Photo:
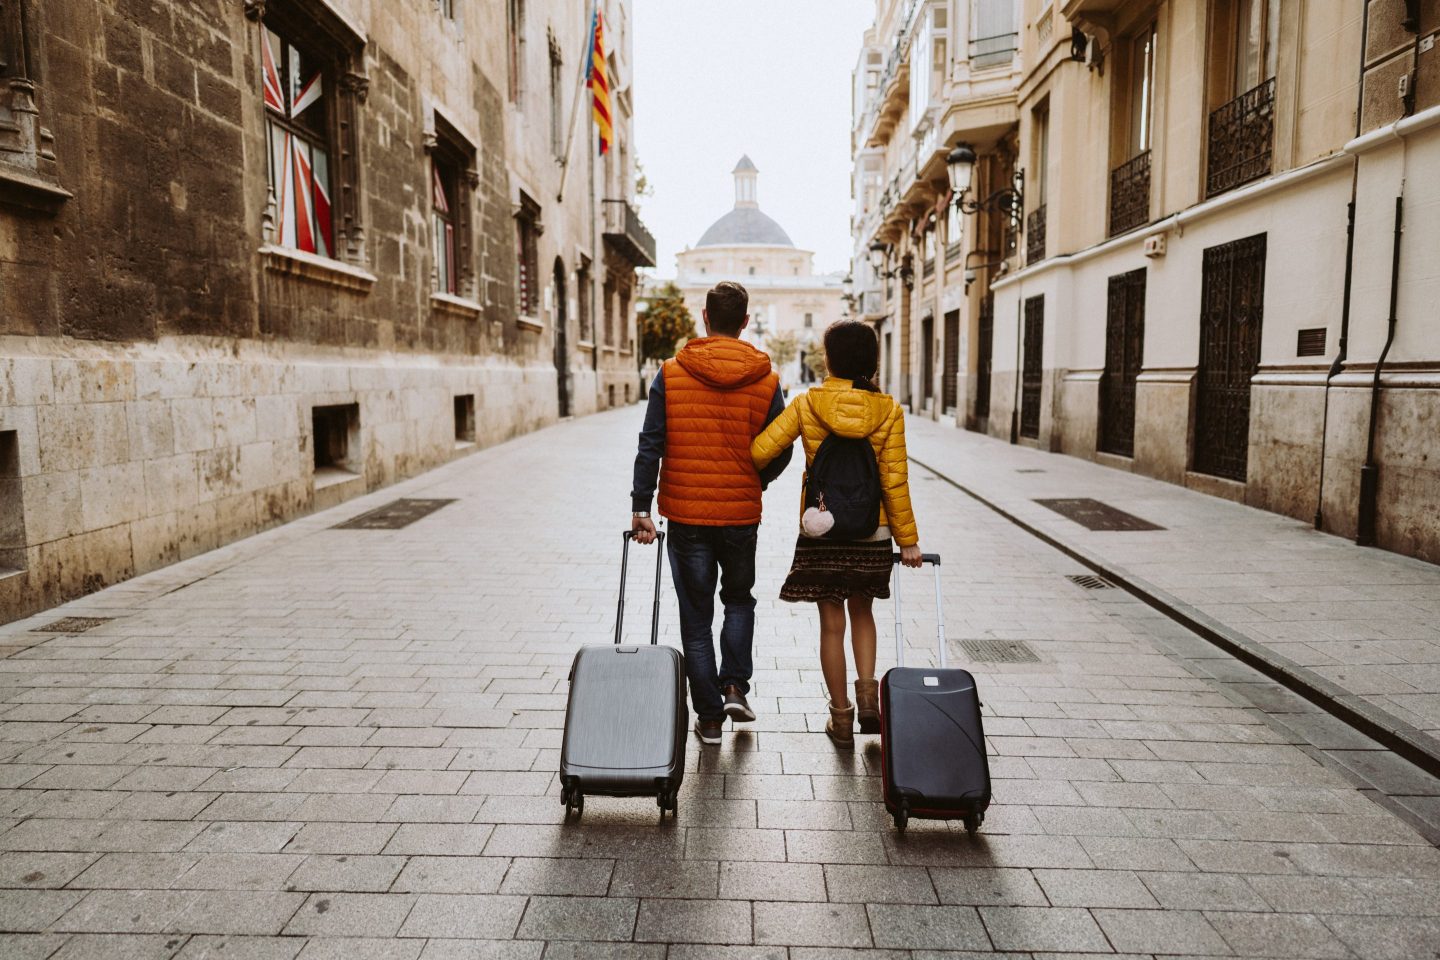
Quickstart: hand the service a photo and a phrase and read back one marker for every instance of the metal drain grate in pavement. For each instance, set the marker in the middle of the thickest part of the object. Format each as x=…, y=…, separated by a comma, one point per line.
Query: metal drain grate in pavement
x=1095, y=515
x=72, y=625
x=1089, y=581
x=999, y=651
x=393, y=516
x=1030, y=470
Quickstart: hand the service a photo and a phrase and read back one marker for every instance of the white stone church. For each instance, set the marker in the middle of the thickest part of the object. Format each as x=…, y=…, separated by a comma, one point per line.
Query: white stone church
x=786, y=295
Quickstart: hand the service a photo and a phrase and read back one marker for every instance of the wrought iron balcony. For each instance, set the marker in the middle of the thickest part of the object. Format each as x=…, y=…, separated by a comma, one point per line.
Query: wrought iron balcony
x=625, y=234
x=1035, y=235
x=1130, y=194
x=1242, y=133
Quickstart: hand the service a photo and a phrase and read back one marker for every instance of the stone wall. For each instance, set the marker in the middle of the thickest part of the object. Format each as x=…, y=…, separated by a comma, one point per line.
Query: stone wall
x=133, y=458
x=161, y=357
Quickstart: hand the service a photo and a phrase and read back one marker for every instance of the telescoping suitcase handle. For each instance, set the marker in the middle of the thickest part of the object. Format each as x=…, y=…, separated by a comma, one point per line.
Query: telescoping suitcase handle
x=934, y=560
x=624, y=565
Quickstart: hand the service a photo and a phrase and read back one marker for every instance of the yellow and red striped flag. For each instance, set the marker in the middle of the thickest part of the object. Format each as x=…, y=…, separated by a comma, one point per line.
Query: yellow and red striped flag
x=600, y=84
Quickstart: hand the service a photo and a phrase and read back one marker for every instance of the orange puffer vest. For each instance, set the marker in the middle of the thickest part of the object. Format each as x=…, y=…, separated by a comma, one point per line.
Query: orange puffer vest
x=718, y=392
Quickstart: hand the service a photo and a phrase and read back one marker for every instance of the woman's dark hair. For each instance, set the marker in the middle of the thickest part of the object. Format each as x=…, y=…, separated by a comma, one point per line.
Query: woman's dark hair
x=852, y=352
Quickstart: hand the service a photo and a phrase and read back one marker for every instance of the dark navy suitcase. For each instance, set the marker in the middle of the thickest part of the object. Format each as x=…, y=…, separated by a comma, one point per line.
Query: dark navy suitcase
x=626, y=720
x=932, y=742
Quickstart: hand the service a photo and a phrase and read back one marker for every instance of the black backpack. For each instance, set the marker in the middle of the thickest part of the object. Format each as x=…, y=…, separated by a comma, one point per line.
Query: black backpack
x=845, y=481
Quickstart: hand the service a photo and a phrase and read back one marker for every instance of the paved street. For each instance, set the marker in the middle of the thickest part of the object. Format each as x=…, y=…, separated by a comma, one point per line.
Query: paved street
x=342, y=744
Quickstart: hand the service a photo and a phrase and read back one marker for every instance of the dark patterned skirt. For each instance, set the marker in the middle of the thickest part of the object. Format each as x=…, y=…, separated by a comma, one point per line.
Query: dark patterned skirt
x=838, y=569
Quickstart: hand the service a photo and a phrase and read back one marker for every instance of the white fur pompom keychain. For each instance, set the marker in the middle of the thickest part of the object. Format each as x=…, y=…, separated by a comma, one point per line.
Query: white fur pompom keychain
x=816, y=522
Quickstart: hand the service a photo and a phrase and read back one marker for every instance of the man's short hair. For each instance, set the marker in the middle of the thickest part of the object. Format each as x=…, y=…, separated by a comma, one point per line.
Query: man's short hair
x=725, y=307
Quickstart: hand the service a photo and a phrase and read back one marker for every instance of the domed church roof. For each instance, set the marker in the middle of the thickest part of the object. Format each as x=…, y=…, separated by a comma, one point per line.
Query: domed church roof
x=745, y=223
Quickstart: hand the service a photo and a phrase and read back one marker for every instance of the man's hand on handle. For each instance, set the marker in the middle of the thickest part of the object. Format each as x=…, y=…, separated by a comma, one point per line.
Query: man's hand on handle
x=910, y=556
x=644, y=530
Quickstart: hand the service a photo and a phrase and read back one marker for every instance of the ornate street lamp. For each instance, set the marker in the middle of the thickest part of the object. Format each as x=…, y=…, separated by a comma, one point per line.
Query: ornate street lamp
x=880, y=256
x=961, y=165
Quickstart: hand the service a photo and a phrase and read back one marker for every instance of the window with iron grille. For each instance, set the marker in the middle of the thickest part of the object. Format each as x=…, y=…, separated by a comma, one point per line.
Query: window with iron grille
x=984, y=349
x=609, y=306
x=993, y=34
x=584, y=293
x=949, y=383
x=1232, y=295
x=1032, y=369
x=1243, y=62
x=1130, y=181
x=515, y=47
x=557, y=108
x=527, y=256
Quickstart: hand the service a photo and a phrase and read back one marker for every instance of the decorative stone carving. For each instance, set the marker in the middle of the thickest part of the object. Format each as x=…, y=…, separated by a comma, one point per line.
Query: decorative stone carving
x=254, y=9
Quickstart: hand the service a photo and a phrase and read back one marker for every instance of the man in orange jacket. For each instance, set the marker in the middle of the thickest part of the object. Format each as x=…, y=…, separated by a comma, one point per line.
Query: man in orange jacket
x=706, y=406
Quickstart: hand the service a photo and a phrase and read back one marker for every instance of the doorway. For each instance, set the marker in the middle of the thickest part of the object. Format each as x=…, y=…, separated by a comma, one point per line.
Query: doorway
x=562, y=355
x=1124, y=351
x=1232, y=294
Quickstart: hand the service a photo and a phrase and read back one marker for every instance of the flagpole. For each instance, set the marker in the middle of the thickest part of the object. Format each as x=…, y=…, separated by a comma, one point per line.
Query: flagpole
x=585, y=62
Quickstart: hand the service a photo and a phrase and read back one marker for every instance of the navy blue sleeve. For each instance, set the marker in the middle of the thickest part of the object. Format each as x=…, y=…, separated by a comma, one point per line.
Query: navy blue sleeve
x=777, y=466
x=651, y=449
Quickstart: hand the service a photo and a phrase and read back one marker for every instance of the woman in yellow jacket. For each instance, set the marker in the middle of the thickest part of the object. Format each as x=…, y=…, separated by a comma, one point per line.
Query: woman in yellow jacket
x=848, y=575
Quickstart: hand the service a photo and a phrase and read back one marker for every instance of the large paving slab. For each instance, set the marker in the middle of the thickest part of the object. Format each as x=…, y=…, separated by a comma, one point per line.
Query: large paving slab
x=343, y=743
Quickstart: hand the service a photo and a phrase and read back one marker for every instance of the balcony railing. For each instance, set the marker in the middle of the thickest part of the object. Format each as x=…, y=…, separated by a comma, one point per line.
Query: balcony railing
x=992, y=51
x=1241, y=137
x=626, y=234
x=1130, y=194
x=1035, y=235
x=928, y=269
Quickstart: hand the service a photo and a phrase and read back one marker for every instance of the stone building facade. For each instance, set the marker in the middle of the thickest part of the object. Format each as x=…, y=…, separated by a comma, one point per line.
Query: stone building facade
x=787, y=296
x=257, y=258
x=1222, y=201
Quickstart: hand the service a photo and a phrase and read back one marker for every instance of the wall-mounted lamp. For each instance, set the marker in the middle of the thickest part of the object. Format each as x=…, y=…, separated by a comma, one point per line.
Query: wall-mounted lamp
x=960, y=162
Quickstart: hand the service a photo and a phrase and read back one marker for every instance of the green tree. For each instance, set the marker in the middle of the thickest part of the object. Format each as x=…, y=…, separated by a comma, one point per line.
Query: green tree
x=665, y=323
x=815, y=360
x=782, y=347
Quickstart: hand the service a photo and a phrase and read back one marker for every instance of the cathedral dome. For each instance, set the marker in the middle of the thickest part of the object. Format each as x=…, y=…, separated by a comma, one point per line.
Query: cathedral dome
x=745, y=223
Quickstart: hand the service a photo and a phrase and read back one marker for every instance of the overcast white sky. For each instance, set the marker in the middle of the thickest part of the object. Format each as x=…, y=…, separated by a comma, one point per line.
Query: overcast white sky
x=771, y=78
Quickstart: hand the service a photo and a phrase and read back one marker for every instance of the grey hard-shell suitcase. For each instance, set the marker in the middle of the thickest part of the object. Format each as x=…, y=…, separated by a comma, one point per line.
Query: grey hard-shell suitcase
x=932, y=741
x=626, y=720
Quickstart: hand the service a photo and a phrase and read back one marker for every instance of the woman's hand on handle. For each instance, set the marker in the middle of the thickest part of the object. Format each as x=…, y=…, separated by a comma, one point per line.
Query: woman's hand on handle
x=910, y=556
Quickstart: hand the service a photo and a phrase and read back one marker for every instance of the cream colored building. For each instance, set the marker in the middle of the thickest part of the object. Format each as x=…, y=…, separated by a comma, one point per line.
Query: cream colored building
x=1184, y=298
x=786, y=295
x=932, y=74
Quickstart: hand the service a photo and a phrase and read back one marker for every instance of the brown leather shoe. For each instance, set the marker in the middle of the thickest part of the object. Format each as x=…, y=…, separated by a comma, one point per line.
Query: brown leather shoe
x=867, y=705
x=840, y=728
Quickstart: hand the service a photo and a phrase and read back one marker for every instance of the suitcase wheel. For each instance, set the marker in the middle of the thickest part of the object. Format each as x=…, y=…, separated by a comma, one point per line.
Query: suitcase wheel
x=668, y=799
x=972, y=823
x=902, y=819
x=573, y=800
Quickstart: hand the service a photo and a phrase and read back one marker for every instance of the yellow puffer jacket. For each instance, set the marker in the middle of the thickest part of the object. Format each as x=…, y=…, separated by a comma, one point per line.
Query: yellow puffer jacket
x=836, y=406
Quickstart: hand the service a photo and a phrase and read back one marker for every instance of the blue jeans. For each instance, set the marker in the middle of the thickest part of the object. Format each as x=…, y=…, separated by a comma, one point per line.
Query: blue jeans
x=698, y=557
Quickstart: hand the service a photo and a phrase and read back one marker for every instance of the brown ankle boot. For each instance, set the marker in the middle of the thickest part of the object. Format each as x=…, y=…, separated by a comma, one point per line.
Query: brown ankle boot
x=867, y=705
x=841, y=726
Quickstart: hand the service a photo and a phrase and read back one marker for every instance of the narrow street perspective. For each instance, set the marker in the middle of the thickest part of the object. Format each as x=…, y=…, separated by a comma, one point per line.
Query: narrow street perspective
x=339, y=739
x=679, y=480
